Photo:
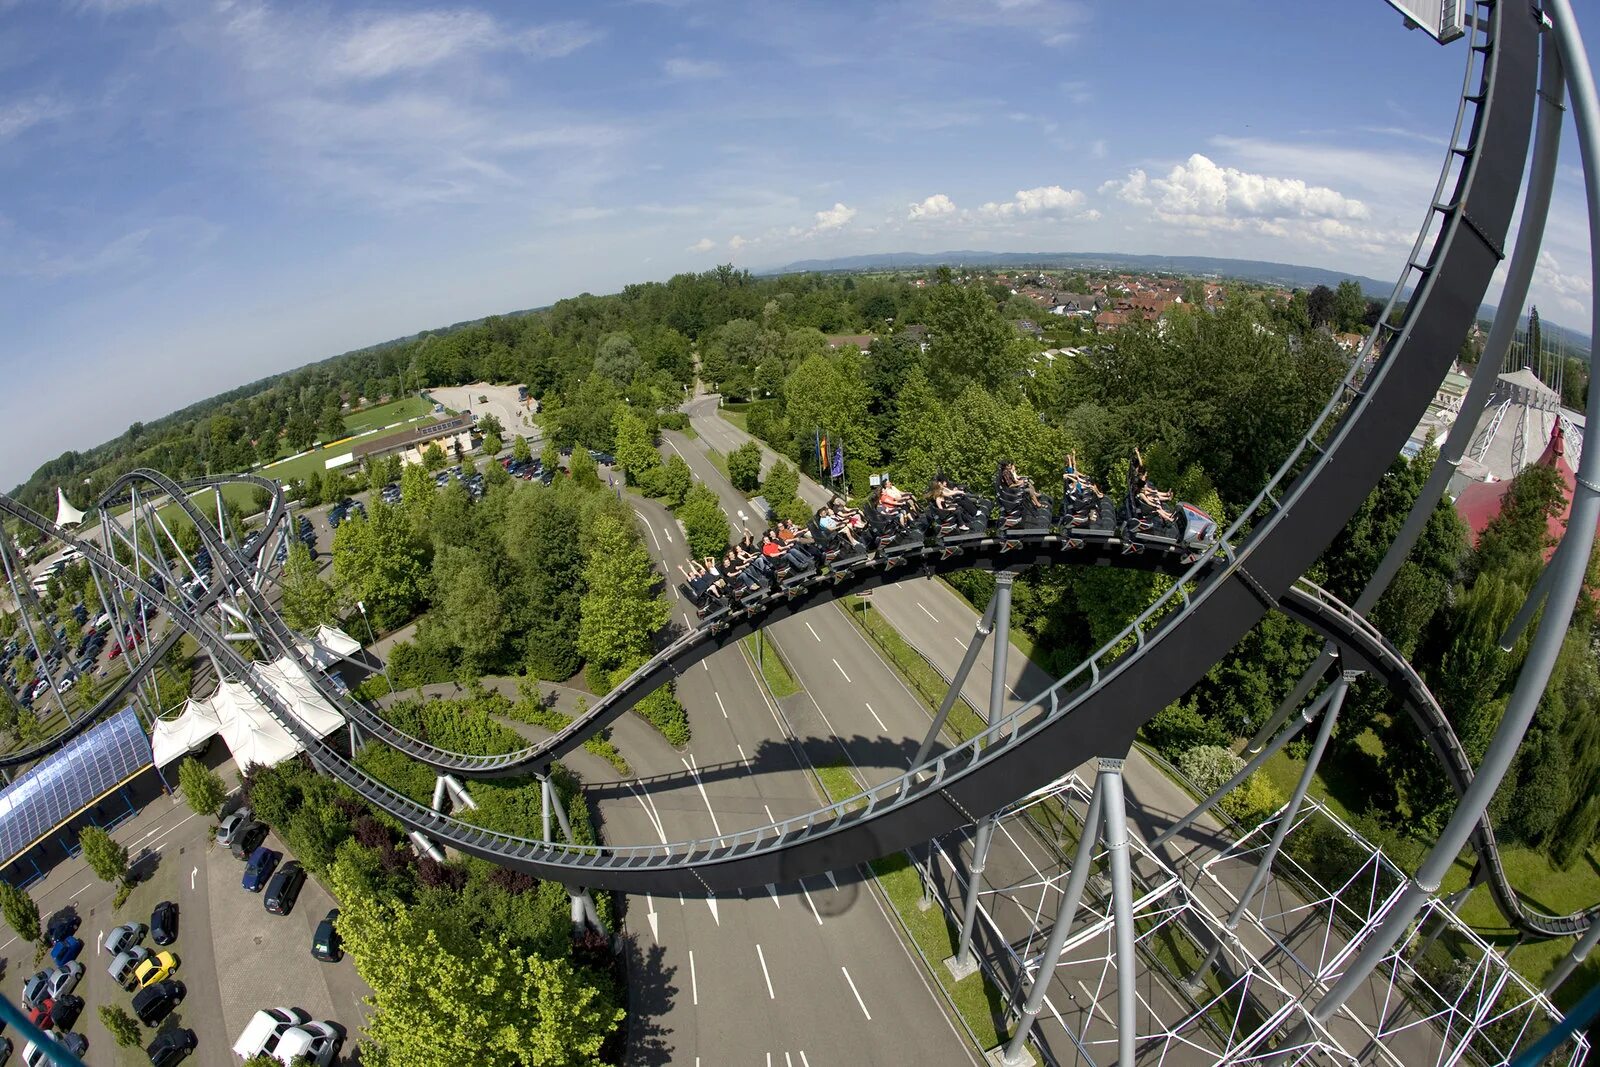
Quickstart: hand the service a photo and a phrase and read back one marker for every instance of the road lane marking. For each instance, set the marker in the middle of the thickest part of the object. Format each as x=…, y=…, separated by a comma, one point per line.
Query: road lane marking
x=762, y=956
x=720, y=704
x=857, y=992
x=876, y=719
x=1094, y=1006
x=813, y=633
x=803, y=1061
x=668, y=531
x=769, y=817
x=742, y=757
x=928, y=613
x=813, y=903
x=787, y=1062
x=695, y=771
x=841, y=669
x=653, y=536
x=655, y=932
x=196, y=871
x=773, y=890
x=832, y=879
x=649, y=813
x=711, y=902
x=99, y=942
x=694, y=986
x=82, y=891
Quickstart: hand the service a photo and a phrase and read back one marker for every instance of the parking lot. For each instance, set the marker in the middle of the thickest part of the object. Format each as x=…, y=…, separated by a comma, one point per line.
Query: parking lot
x=234, y=956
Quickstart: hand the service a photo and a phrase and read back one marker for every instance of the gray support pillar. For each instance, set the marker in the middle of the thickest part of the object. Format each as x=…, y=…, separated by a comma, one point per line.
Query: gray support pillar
x=1121, y=905
x=544, y=808
x=1571, y=960
x=23, y=602
x=1569, y=565
x=964, y=962
x=1002, y=645
x=979, y=632
x=1301, y=690
x=1304, y=720
x=1016, y=1053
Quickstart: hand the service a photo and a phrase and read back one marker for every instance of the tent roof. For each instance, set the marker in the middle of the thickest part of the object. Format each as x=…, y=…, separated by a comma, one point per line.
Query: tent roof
x=66, y=514
x=174, y=738
x=328, y=646
x=246, y=726
x=69, y=780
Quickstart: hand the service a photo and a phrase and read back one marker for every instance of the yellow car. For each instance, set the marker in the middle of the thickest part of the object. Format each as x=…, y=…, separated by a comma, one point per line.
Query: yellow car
x=157, y=968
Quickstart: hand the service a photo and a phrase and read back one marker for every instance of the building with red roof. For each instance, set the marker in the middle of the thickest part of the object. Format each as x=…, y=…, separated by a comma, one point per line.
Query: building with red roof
x=1480, y=502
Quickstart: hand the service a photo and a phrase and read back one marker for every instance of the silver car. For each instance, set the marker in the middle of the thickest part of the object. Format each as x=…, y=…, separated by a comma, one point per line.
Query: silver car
x=125, y=963
x=64, y=980
x=33, y=989
x=124, y=937
x=232, y=824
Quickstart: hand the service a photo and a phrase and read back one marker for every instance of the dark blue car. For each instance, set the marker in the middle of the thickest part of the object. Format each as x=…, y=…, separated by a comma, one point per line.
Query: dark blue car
x=66, y=950
x=263, y=861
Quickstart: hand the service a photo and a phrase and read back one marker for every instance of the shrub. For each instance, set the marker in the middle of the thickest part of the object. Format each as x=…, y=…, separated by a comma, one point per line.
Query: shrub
x=744, y=467
x=124, y=1028
x=1209, y=766
x=21, y=913
x=202, y=787
x=105, y=857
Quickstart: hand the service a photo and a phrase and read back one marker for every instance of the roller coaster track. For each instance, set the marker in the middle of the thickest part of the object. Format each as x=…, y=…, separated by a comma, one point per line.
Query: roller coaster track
x=1255, y=565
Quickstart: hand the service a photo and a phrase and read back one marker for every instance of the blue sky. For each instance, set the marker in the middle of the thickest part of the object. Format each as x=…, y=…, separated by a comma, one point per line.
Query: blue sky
x=196, y=194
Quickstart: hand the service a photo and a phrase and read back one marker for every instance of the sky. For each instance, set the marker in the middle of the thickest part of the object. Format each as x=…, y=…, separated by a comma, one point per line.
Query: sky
x=198, y=193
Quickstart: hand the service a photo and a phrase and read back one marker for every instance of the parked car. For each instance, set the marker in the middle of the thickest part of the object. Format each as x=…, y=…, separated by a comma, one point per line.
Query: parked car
x=43, y=1015
x=155, y=1002
x=62, y=925
x=5, y=1051
x=284, y=888
x=157, y=968
x=33, y=990
x=314, y=1041
x=66, y=950
x=263, y=861
x=247, y=839
x=171, y=1046
x=66, y=1010
x=164, y=923
x=325, y=940
x=123, y=937
x=231, y=824
x=125, y=963
x=64, y=980
x=266, y=1026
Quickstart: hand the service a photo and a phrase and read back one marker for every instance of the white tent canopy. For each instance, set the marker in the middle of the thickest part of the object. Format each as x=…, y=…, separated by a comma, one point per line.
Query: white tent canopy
x=328, y=646
x=173, y=738
x=246, y=726
x=66, y=514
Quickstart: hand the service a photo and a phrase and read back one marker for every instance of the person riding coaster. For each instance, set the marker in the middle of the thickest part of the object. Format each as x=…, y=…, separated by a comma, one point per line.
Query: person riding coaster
x=1023, y=509
x=954, y=511
x=1151, y=515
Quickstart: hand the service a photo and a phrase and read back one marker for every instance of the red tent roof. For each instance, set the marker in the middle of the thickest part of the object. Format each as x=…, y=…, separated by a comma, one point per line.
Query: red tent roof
x=1480, y=502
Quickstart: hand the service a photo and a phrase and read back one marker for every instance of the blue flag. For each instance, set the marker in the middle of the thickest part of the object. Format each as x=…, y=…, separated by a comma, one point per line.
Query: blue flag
x=837, y=470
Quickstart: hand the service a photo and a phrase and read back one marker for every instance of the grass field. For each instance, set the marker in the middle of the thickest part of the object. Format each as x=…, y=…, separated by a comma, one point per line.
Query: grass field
x=300, y=466
x=411, y=407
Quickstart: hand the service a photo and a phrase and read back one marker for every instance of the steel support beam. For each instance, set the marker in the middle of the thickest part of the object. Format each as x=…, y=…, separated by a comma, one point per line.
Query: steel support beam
x=982, y=630
x=964, y=962
x=1116, y=814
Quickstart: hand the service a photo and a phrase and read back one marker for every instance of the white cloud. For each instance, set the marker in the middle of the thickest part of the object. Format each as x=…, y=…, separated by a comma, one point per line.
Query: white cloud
x=736, y=242
x=1053, y=22
x=705, y=244
x=1199, y=188
x=19, y=115
x=1046, y=201
x=380, y=45
x=680, y=69
x=833, y=218
x=1572, y=291
x=934, y=206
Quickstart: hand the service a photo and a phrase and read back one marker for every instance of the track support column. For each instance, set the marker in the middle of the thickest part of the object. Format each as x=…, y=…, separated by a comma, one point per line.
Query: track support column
x=964, y=962
x=1016, y=1052
x=1571, y=960
x=1116, y=815
x=1002, y=644
x=583, y=909
x=982, y=630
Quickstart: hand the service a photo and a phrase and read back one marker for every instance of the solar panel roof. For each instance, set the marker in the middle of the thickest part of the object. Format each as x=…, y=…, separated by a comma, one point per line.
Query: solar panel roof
x=69, y=780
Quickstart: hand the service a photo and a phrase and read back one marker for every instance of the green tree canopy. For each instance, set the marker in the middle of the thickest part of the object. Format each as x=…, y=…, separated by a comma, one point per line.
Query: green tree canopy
x=105, y=857
x=307, y=601
x=621, y=611
x=201, y=786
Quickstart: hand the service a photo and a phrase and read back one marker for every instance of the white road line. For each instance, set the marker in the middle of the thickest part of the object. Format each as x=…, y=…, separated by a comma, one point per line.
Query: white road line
x=772, y=890
x=695, y=771
x=803, y=1061
x=813, y=903
x=99, y=942
x=769, y=817
x=82, y=891
x=876, y=719
x=1094, y=1005
x=649, y=813
x=720, y=704
x=857, y=992
x=703, y=665
x=813, y=633
x=787, y=1061
x=694, y=986
x=653, y=536
x=928, y=613
x=762, y=956
x=742, y=757
x=193, y=873
x=960, y=642
x=841, y=669
x=668, y=531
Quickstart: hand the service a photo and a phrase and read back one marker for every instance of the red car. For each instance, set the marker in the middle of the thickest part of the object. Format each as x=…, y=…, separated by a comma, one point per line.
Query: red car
x=116, y=650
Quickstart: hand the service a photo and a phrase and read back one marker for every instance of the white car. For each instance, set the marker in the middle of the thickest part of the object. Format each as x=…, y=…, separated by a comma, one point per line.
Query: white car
x=266, y=1029
x=316, y=1041
x=124, y=937
x=232, y=824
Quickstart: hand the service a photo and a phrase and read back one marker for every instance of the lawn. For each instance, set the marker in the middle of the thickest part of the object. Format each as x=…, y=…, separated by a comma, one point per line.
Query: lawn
x=373, y=418
x=779, y=681
x=316, y=460
x=736, y=416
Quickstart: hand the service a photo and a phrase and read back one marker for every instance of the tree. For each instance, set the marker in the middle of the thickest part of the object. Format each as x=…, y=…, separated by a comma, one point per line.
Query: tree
x=744, y=467
x=520, y=450
x=550, y=457
x=301, y=432
x=124, y=1028
x=332, y=424
x=21, y=913
x=1320, y=306
x=704, y=522
x=674, y=481
x=433, y=457
x=621, y=611
x=489, y=424
x=105, y=857
x=1349, y=305
x=492, y=444
x=1535, y=338
x=379, y=561
x=636, y=453
x=307, y=601
x=585, y=472
x=202, y=787
x=618, y=359
x=467, y=603
x=969, y=342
